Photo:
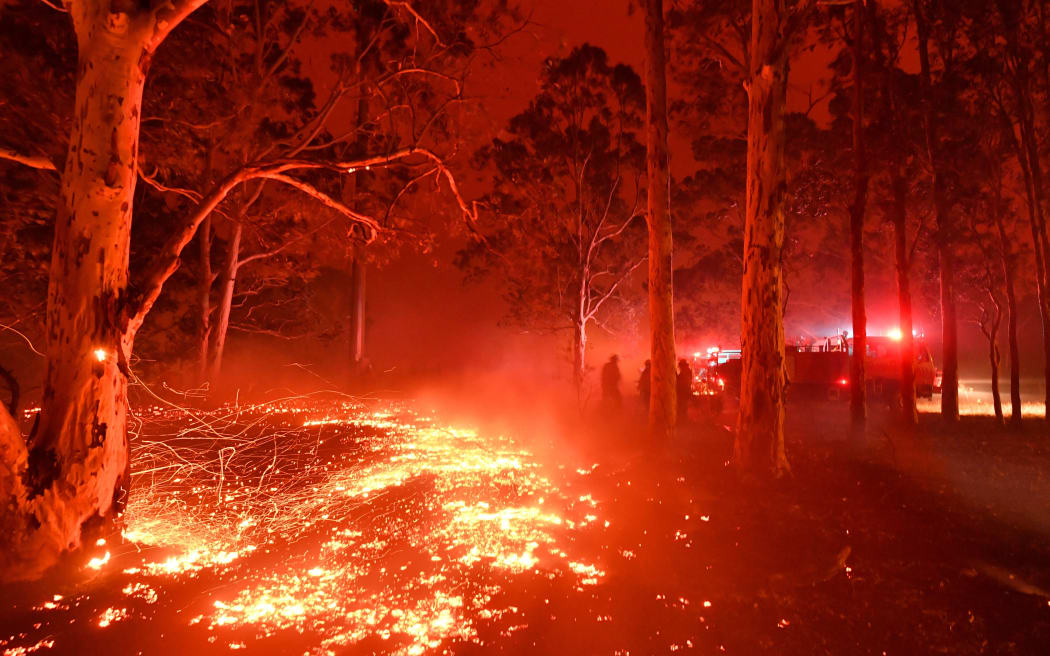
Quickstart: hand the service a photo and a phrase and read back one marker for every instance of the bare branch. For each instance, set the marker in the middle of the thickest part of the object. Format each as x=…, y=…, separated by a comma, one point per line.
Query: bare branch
x=22, y=335
x=732, y=59
x=266, y=331
x=167, y=259
x=404, y=189
x=190, y=124
x=156, y=184
x=422, y=71
x=309, y=131
x=291, y=44
x=264, y=255
x=32, y=161
x=328, y=201
x=407, y=6
x=612, y=289
x=56, y=7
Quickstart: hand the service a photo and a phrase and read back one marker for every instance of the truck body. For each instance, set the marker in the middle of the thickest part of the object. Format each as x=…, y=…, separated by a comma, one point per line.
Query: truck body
x=820, y=369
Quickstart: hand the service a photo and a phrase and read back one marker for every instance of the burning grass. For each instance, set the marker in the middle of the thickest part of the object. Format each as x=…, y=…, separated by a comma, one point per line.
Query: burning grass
x=975, y=401
x=337, y=527
x=331, y=521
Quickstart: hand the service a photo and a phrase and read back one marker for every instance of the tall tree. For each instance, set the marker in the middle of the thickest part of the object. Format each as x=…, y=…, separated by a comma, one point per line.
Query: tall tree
x=72, y=480
x=989, y=319
x=991, y=267
x=568, y=188
x=1009, y=271
x=662, y=402
x=759, y=445
x=711, y=64
x=857, y=212
x=895, y=113
x=1017, y=33
x=945, y=225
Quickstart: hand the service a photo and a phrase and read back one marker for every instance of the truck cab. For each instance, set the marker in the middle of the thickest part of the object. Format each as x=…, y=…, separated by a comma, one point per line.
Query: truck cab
x=882, y=365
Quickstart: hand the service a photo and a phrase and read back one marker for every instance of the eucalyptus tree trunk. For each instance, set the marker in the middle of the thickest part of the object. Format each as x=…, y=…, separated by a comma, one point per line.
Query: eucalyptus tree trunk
x=1009, y=272
x=1027, y=147
x=759, y=445
x=1038, y=200
x=662, y=409
x=990, y=324
x=1027, y=150
x=1037, y=224
x=945, y=256
x=994, y=359
x=899, y=211
x=949, y=322
x=357, y=309
x=70, y=485
x=579, y=355
x=857, y=211
x=222, y=320
x=76, y=474
x=354, y=188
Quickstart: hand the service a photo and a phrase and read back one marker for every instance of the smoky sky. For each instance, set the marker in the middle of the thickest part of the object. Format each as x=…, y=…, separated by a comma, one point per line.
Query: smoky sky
x=422, y=317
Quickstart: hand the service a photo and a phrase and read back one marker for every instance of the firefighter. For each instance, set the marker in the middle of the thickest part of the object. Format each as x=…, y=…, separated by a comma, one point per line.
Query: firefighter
x=685, y=389
x=611, y=382
x=645, y=383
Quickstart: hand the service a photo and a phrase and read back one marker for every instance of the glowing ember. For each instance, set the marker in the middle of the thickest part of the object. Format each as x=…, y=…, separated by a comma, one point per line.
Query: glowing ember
x=111, y=615
x=335, y=523
x=29, y=649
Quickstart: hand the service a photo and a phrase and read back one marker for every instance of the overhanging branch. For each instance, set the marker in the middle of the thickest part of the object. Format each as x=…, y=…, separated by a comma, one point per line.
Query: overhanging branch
x=167, y=260
x=407, y=6
x=363, y=219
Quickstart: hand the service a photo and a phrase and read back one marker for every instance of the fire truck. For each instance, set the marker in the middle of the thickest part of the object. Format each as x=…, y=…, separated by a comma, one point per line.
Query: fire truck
x=819, y=369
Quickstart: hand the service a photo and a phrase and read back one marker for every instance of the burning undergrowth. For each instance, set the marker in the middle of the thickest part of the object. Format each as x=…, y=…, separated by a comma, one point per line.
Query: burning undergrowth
x=318, y=526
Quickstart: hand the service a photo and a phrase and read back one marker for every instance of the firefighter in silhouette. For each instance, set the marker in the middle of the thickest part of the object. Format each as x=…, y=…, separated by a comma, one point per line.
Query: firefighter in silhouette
x=684, y=389
x=645, y=382
x=611, y=382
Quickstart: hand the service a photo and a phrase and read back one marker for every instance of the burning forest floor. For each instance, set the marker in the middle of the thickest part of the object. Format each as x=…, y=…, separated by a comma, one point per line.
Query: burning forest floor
x=344, y=527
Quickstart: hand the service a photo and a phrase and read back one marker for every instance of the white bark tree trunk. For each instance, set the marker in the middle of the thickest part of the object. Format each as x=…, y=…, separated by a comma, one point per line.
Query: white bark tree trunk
x=222, y=321
x=76, y=475
x=71, y=483
x=579, y=356
x=759, y=446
